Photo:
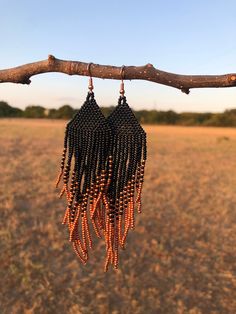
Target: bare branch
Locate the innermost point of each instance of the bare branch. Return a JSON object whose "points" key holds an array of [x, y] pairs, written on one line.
{"points": [[22, 74]]}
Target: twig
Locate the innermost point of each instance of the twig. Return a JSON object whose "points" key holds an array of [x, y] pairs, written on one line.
{"points": [[22, 74]]}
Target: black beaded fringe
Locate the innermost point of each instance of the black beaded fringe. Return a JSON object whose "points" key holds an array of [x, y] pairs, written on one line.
{"points": [[87, 148], [129, 152]]}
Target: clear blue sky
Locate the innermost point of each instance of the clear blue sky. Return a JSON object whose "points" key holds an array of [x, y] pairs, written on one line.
{"points": [[188, 37]]}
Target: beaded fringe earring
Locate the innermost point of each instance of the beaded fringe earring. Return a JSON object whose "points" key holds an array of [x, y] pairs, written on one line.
{"points": [[108, 156], [129, 154], [87, 146]]}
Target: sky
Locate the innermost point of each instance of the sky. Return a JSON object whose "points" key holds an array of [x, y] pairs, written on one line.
{"points": [[184, 37]]}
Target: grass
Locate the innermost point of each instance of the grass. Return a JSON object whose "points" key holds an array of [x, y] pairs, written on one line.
{"points": [[180, 259]]}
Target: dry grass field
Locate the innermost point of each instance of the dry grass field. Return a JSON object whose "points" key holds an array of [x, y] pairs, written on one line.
{"points": [[180, 259]]}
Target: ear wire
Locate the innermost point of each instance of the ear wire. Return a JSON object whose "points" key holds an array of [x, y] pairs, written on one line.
{"points": [[122, 85], [90, 86]]}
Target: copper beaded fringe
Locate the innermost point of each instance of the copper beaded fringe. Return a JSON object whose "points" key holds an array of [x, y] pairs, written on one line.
{"points": [[106, 182]]}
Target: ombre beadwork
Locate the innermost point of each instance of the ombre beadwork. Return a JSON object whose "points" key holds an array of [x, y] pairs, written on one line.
{"points": [[102, 165], [86, 167], [129, 152]]}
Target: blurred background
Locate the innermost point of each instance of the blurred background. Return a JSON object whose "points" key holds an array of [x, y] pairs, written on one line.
{"points": [[181, 256]]}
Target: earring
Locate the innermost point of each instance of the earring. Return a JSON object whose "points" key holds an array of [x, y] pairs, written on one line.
{"points": [[108, 158], [129, 154], [87, 146]]}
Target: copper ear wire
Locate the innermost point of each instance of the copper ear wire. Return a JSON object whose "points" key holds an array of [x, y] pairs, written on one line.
{"points": [[122, 86], [90, 86]]}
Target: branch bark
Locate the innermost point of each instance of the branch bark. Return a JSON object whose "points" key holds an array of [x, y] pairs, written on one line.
{"points": [[22, 74]]}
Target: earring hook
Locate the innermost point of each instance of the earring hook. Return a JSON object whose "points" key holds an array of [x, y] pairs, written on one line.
{"points": [[122, 85], [90, 86]]}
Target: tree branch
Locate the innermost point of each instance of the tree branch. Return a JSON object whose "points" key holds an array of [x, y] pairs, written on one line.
{"points": [[22, 74]]}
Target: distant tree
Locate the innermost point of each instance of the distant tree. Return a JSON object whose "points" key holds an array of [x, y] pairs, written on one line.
{"points": [[148, 116], [107, 110], [157, 117], [171, 117], [141, 115], [231, 116], [193, 118], [221, 119], [187, 118], [34, 112], [64, 112], [7, 111], [231, 111], [52, 114], [203, 117]]}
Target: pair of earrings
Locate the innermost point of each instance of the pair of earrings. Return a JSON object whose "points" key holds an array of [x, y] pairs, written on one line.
{"points": [[102, 165]]}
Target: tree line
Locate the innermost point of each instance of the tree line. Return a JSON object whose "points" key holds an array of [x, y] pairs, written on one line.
{"points": [[170, 117]]}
